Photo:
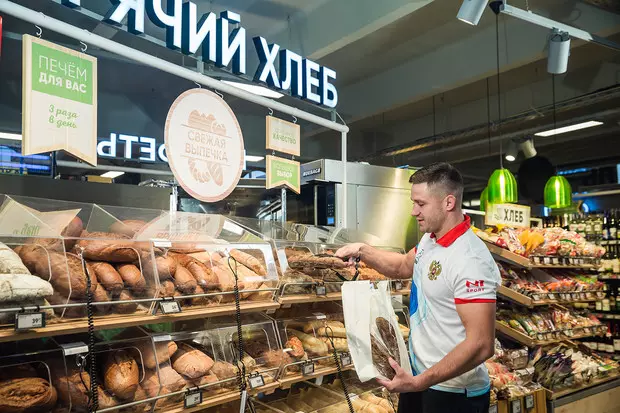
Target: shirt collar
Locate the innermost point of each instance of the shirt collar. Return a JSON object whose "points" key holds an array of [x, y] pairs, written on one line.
{"points": [[454, 233]]}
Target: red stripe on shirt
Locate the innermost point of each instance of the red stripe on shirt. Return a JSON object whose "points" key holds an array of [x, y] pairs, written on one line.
{"points": [[473, 300]]}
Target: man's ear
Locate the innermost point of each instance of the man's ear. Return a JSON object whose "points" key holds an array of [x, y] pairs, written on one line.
{"points": [[450, 203]]}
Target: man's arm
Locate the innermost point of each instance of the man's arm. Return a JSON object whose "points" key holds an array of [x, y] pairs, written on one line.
{"points": [[478, 346], [390, 264]]}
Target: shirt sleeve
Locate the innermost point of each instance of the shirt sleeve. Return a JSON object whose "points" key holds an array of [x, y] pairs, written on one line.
{"points": [[476, 281]]}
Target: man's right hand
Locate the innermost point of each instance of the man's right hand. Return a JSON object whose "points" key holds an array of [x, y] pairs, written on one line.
{"points": [[350, 251]]}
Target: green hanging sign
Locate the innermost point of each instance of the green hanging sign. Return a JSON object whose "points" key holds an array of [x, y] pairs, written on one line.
{"points": [[283, 172]]}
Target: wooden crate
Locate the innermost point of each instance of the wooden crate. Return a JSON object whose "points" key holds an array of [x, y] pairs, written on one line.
{"points": [[537, 400]]}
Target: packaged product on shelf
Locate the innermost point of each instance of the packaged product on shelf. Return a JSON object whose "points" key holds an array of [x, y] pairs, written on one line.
{"points": [[373, 334]]}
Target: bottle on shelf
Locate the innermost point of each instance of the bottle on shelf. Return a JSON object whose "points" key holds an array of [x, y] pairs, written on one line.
{"points": [[597, 231], [613, 229], [616, 337], [605, 304], [598, 306]]}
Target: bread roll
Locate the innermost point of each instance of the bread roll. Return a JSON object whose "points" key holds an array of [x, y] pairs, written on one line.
{"points": [[132, 277], [224, 370], [184, 281], [121, 374], [167, 289], [202, 273], [101, 296], [166, 266], [340, 343], [297, 348], [107, 276], [311, 344], [191, 362], [249, 261], [111, 248], [164, 350], [27, 395]]}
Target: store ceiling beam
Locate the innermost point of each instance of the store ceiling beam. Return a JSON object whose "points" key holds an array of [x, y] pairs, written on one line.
{"points": [[338, 23], [462, 62]]}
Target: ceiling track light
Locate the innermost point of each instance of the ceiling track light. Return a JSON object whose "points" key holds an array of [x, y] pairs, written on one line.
{"points": [[528, 149], [471, 11], [512, 151], [559, 50]]}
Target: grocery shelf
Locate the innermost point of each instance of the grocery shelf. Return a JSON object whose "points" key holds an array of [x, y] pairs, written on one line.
{"points": [[313, 298], [563, 267], [553, 395], [503, 254], [80, 326], [605, 316], [225, 398], [531, 342], [527, 301], [287, 382]]}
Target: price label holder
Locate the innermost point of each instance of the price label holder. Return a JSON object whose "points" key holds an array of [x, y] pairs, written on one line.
{"points": [[320, 316], [515, 406], [307, 369], [256, 380], [398, 285], [193, 397], [529, 401], [168, 305], [161, 243], [493, 408], [71, 349], [345, 359], [27, 321], [321, 291]]}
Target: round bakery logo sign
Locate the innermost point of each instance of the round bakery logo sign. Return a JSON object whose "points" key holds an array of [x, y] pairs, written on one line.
{"points": [[204, 145]]}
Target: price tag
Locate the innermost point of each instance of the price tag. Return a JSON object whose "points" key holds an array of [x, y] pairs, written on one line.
{"points": [[307, 369], [170, 307], [321, 290], [515, 406], [398, 285], [529, 401], [162, 337], [161, 243], [345, 359], [193, 399], [256, 381], [72, 349], [28, 321], [493, 408], [320, 316]]}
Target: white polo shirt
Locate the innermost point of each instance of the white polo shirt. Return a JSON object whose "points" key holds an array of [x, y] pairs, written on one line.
{"points": [[453, 270]]}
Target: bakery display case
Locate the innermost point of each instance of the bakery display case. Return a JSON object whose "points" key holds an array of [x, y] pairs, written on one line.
{"points": [[31, 378], [302, 397]]}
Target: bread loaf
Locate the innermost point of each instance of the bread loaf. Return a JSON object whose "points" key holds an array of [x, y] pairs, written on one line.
{"points": [[297, 348], [249, 261], [311, 344], [191, 362], [71, 389], [224, 370], [332, 331], [164, 351], [111, 247], [184, 281], [132, 277], [127, 308], [27, 395], [128, 227], [340, 343], [166, 382], [10, 263], [202, 273], [23, 287], [107, 276], [167, 289], [276, 358], [101, 296], [166, 266], [121, 374], [207, 379], [69, 312]]}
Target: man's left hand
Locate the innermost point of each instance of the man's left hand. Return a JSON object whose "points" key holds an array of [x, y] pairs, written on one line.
{"points": [[403, 382]]}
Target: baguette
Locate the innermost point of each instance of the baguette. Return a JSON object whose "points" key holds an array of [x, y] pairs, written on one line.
{"points": [[132, 277], [107, 276], [329, 331], [109, 247], [27, 395], [340, 343], [249, 261]]}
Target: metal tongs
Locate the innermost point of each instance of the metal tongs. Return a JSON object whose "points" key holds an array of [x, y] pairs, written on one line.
{"points": [[342, 278]]}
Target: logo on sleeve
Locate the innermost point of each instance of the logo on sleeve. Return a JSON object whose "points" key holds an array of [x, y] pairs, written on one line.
{"points": [[474, 286], [434, 270]]}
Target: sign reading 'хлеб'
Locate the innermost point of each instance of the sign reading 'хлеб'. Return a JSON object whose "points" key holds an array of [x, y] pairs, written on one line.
{"points": [[282, 172], [59, 100], [516, 216], [283, 136]]}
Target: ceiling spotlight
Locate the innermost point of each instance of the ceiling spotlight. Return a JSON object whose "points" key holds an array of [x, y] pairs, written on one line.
{"points": [[511, 152], [559, 50], [471, 11], [528, 149]]}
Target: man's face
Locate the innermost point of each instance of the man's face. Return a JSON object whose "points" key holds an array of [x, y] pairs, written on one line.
{"points": [[429, 207]]}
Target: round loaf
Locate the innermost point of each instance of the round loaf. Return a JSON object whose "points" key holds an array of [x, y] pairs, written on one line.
{"points": [[27, 395], [121, 375], [108, 277], [191, 362], [132, 277]]}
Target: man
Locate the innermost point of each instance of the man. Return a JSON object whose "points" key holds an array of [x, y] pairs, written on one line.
{"points": [[452, 304]]}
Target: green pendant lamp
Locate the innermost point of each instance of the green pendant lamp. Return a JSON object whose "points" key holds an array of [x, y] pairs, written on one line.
{"points": [[484, 198], [558, 193], [502, 187]]}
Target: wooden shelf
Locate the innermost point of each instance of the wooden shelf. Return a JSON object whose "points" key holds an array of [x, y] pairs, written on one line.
{"points": [[287, 382], [507, 256], [529, 341], [106, 323], [563, 267], [313, 298], [553, 395], [526, 301]]}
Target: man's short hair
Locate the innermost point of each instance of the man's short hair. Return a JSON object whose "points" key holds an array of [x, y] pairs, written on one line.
{"points": [[441, 176]]}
